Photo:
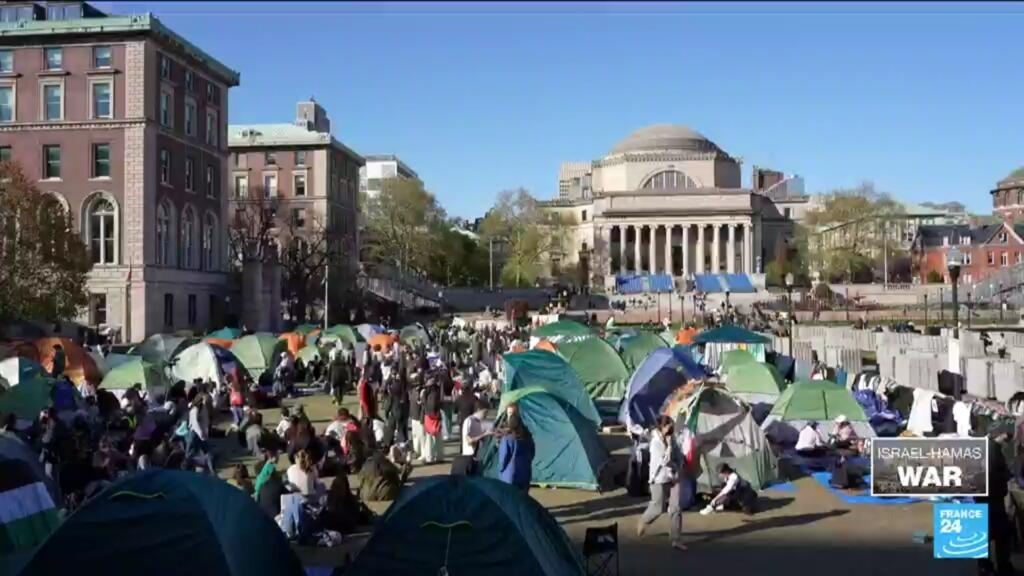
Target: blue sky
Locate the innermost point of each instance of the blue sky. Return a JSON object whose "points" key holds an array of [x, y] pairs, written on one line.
{"points": [[924, 100]]}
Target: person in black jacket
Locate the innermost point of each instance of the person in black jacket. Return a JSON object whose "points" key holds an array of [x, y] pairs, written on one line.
{"points": [[999, 526]]}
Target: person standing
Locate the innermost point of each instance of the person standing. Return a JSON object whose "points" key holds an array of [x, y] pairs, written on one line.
{"points": [[415, 394], [1000, 528], [432, 452], [198, 428], [60, 361], [666, 463], [515, 453], [338, 376]]}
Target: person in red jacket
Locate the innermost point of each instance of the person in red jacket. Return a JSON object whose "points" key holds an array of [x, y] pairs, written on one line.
{"points": [[367, 398]]}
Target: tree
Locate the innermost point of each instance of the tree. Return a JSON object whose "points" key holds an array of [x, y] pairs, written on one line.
{"points": [[401, 221], [462, 261], [530, 235], [252, 228], [934, 277], [306, 252], [43, 262], [850, 226]]}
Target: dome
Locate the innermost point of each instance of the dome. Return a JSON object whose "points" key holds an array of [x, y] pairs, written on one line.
{"points": [[664, 137], [1014, 176]]}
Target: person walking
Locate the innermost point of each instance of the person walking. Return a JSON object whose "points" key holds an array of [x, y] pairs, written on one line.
{"points": [[665, 468]]}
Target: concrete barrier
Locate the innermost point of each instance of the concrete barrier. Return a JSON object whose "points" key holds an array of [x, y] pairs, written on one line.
{"points": [[1007, 379], [978, 377]]}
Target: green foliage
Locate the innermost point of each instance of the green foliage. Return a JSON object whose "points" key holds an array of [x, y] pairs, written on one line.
{"points": [[401, 223], [528, 233], [934, 277], [43, 261], [461, 259]]}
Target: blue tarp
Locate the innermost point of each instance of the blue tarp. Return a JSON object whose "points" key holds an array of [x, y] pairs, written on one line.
{"points": [[640, 283], [739, 283], [707, 283], [653, 381]]}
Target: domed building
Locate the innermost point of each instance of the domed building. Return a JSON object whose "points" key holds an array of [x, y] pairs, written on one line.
{"points": [[667, 200], [1008, 196]]}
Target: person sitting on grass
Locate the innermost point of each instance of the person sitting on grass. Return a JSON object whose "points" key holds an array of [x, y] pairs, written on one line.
{"points": [[737, 494], [241, 480], [379, 479]]}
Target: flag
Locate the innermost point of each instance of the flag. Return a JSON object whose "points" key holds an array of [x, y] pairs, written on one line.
{"points": [[27, 512], [689, 432]]}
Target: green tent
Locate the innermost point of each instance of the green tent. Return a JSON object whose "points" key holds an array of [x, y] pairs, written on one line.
{"points": [[598, 365], [348, 334], [734, 358], [125, 529], [226, 334], [561, 328], [754, 382], [259, 352], [28, 398], [414, 333], [728, 434], [467, 525], [306, 329], [309, 353], [151, 376], [814, 401], [668, 337], [636, 348], [540, 368], [162, 348], [569, 452], [730, 334]]}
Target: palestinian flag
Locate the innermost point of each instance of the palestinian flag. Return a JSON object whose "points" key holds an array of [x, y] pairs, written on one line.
{"points": [[688, 435], [27, 512]]}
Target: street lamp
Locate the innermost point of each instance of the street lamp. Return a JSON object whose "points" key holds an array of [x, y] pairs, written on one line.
{"points": [[1002, 302], [953, 263], [789, 296]]}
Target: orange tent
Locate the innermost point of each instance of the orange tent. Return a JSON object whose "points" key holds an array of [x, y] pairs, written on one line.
{"points": [[385, 341], [686, 336], [222, 342], [545, 345], [80, 366], [295, 341]]}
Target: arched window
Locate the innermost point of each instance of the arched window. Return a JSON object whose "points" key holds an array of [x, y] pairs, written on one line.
{"points": [[163, 235], [209, 232], [101, 230], [188, 238], [669, 180]]}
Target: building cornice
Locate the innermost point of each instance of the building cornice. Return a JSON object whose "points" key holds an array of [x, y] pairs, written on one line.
{"points": [[73, 125], [667, 156], [135, 23]]}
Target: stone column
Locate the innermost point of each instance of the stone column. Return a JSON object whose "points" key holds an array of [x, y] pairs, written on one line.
{"points": [[716, 248], [748, 248], [622, 249], [699, 255], [606, 250], [687, 266], [637, 236], [668, 250], [730, 264], [652, 247]]}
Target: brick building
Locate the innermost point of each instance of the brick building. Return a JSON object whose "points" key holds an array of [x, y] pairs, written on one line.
{"points": [[1008, 197], [314, 180], [984, 249], [123, 121]]}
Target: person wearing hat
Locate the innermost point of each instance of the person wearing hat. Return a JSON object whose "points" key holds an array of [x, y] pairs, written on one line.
{"points": [[843, 436]]}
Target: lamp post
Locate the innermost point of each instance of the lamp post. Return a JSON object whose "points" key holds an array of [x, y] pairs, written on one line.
{"points": [[1002, 302], [953, 264], [789, 296]]}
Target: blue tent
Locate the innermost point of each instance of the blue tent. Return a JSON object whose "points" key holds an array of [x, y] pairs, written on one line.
{"points": [[467, 525], [654, 380], [167, 523]]}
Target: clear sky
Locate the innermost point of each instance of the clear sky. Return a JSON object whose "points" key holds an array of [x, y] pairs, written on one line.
{"points": [[924, 100]]}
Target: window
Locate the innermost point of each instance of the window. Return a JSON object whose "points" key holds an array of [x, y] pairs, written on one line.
{"points": [[991, 258], [51, 162], [188, 238], [102, 57], [300, 184], [1002, 237], [236, 159], [1004, 259], [6, 103], [190, 117], [101, 231], [270, 158], [669, 179], [53, 101], [583, 216], [945, 240], [102, 100], [5, 153], [965, 240], [211, 93], [169, 310], [101, 160], [211, 190], [269, 185], [967, 259], [300, 157], [241, 186], [373, 184], [6, 61], [299, 217], [584, 247], [165, 67], [209, 227], [98, 309], [165, 108], [786, 213], [190, 80], [190, 174], [163, 230], [165, 167], [212, 128], [53, 58], [191, 309], [1018, 259]]}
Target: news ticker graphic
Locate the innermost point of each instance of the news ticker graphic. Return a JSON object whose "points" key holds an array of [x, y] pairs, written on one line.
{"points": [[926, 467], [961, 531]]}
